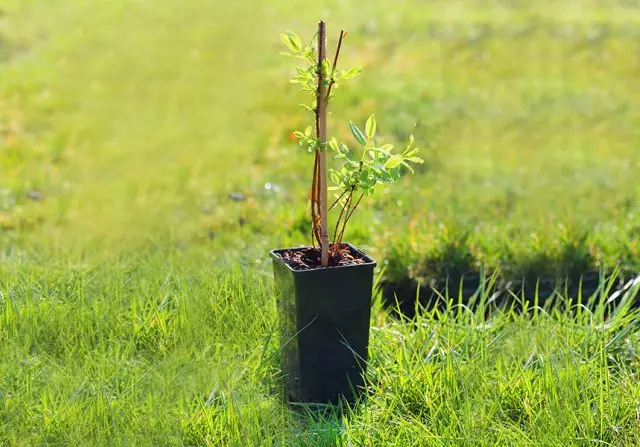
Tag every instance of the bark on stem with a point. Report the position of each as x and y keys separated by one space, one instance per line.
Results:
x=315 y=230
x=321 y=121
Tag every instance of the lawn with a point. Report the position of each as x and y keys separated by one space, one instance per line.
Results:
x=146 y=168
x=167 y=348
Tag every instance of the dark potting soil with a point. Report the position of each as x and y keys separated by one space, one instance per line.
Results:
x=309 y=257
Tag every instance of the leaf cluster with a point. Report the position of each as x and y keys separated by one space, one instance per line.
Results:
x=307 y=74
x=377 y=164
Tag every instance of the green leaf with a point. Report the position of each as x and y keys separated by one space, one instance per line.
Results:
x=386 y=147
x=333 y=144
x=307 y=131
x=410 y=152
x=285 y=40
x=371 y=126
x=393 y=162
x=386 y=177
x=352 y=165
x=292 y=41
x=326 y=69
x=309 y=55
x=415 y=160
x=409 y=167
x=357 y=133
x=307 y=108
x=350 y=73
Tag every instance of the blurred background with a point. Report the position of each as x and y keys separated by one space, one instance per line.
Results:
x=131 y=123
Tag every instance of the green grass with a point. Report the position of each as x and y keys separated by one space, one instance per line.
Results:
x=135 y=303
x=157 y=350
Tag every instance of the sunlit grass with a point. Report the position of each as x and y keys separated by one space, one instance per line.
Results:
x=157 y=350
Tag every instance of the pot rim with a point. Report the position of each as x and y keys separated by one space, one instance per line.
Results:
x=369 y=261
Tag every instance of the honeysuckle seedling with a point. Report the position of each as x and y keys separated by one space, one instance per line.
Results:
x=359 y=172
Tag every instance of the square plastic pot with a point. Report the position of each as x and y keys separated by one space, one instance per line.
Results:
x=324 y=321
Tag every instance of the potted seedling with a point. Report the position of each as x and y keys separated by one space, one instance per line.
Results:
x=324 y=290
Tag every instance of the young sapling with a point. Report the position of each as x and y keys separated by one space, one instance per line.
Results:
x=358 y=173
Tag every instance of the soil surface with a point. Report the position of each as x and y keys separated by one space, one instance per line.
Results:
x=309 y=257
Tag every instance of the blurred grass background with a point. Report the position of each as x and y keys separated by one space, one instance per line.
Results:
x=128 y=122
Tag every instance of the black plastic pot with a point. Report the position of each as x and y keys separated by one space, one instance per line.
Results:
x=324 y=321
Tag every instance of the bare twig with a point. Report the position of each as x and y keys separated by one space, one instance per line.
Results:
x=355 y=207
x=347 y=203
x=348 y=217
x=337 y=200
x=335 y=63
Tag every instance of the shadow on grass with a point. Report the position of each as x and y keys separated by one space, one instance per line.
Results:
x=559 y=277
x=449 y=270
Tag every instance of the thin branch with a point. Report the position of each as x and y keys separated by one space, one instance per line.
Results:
x=353 y=210
x=346 y=220
x=337 y=200
x=335 y=64
x=345 y=207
